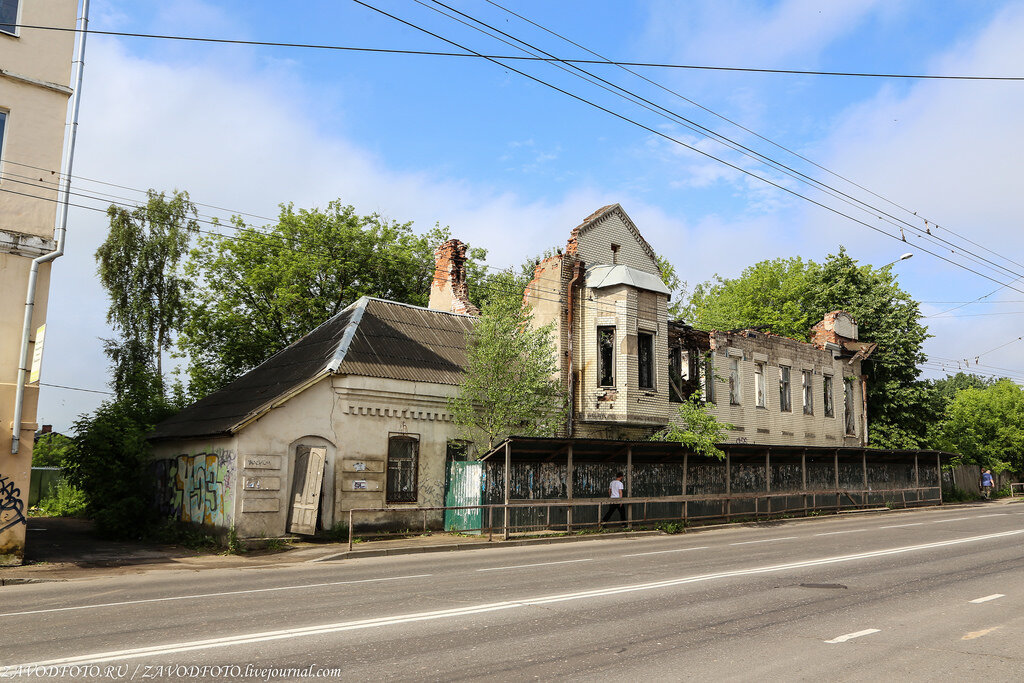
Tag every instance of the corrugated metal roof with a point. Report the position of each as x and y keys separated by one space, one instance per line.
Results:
x=372 y=337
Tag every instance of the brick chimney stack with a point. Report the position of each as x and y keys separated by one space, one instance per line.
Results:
x=838 y=326
x=448 y=291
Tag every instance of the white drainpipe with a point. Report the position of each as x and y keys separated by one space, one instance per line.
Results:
x=62 y=224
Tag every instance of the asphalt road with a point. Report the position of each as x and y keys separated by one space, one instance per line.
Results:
x=919 y=595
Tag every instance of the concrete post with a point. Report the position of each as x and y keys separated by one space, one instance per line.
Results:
x=629 y=485
x=570 y=480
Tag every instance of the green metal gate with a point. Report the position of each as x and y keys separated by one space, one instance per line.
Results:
x=465 y=487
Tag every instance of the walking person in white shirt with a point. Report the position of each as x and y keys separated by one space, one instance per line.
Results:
x=615 y=492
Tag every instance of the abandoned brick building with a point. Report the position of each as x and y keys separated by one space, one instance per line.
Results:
x=355 y=415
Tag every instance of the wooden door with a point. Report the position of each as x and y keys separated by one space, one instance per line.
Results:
x=309 y=476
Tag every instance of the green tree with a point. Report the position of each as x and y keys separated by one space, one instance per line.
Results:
x=260 y=290
x=50 y=449
x=510 y=386
x=986 y=425
x=788 y=296
x=941 y=392
x=676 y=288
x=696 y=428
x=773 y=294
x=139 y=268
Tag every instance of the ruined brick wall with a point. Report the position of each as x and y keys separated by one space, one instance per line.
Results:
x=836 y=327
x=448 y=289
x=770 y=424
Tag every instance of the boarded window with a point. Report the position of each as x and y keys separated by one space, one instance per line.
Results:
x=606 y=356
x=759 y=384
x=785 y=397
x=808 y=387
x=403 y=454
x=734 y=381
x=645 y=359
x=851 y=423
x=830 y=410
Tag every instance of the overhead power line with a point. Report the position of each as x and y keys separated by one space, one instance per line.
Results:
x=677 y=141
x=431 y=53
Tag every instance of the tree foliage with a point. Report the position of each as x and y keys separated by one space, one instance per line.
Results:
x=676 y=288
x=985 y=425
x=50 y=449
x=263 y=289
x=696 y=428
x=788 y=296
x=139 y=268
x=510 y=386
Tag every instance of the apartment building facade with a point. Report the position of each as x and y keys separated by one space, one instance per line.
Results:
x=35 y=70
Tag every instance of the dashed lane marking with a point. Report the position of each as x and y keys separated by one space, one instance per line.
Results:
x=766 y=540
x=851 y=636
x=978 y=634
x=898 y=526
x=539 y=564
x=834 y=533
x=994 y=596
x=659 y=552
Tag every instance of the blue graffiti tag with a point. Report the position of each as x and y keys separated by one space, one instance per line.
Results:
x=10 y=501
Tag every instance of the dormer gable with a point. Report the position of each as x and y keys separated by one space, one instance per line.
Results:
x=609 y=237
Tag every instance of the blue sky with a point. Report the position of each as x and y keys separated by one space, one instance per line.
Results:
x=512 y=165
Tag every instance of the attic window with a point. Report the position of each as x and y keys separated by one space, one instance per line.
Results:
x=615 y=254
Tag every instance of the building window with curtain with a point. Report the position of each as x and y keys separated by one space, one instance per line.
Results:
x=403 y=459
x=759 y=391
x=734 y=381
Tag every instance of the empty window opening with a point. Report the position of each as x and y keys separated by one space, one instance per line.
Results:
x=785 y=399
x=9 y=17
x=759 y=390
x=615 y=253
x=606 y=356
x=808 y=387
x=851 y=423
x=830 y=410
x=645 y=359
x=734 y=381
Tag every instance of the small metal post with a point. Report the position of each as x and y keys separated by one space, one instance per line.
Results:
x=350 y=530
x=599 y=518
x=508 y=484
x=570 y=477
x=629 y=486
x=917 y=475
x=803 y=473
x=839 y=505
x=728 y=483
x=547 y=523
x=490 y=522
x=424 y=520
x=938 y=471
x=864 y=460
x=767 y=479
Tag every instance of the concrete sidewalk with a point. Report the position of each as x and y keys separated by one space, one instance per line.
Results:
x=66 y=549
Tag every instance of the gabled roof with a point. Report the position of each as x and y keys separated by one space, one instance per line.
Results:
x=601 y=214
x=372 y=337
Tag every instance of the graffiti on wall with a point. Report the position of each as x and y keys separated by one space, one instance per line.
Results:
x=12 y=507
x=196 y=488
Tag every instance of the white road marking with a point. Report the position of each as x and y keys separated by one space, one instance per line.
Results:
x=897 y=526
x=851 y=636
x=765 y=540
x=659 y=552
x=258 y=637
x=833 y=533
x=994 y=514
x=210 y=595
x=954 y=519
x=994 y=596
x=539 y=564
